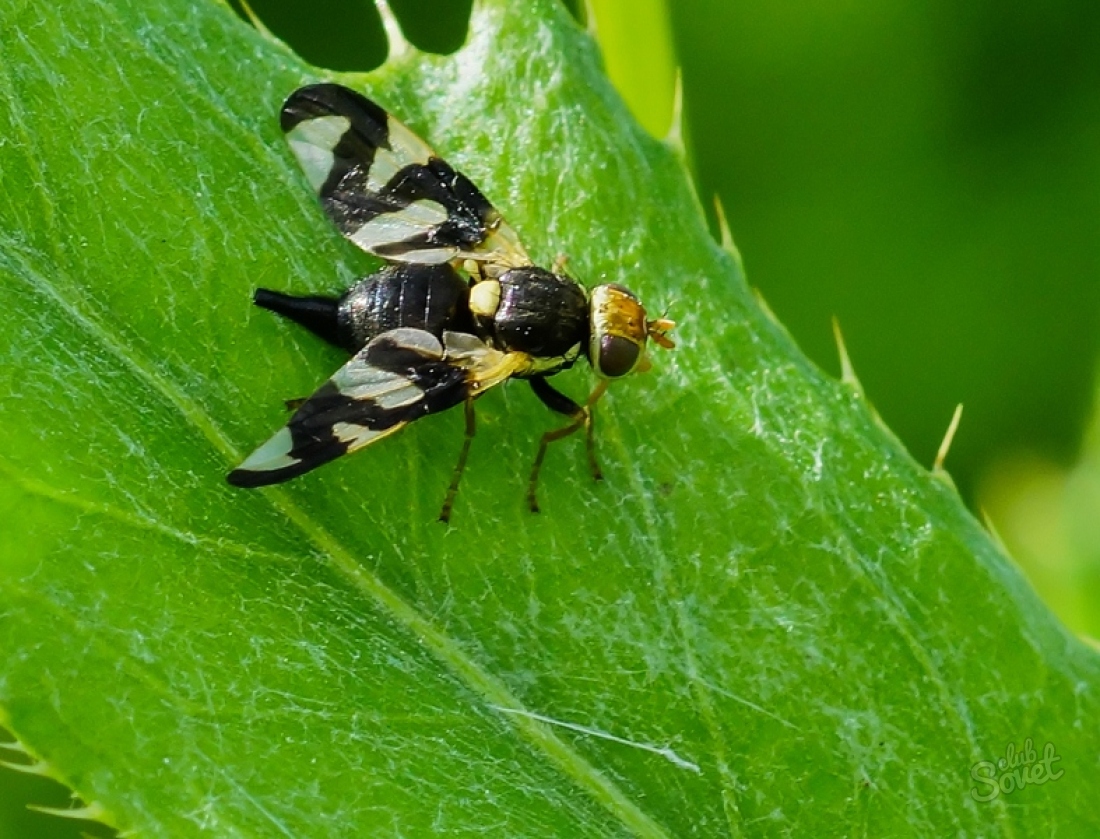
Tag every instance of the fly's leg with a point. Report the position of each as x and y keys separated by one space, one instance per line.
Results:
x=452 y=490
x=581 y=416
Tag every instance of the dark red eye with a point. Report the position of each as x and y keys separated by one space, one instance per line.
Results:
x=617 y=356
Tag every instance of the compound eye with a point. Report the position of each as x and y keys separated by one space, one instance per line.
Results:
x=618 y=356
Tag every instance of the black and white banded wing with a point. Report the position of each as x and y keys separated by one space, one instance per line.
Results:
x=385 y=189
x=400 y=376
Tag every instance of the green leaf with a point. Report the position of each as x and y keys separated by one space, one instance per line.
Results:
x=636 y=43
x=768 y=620
x=1047 y=513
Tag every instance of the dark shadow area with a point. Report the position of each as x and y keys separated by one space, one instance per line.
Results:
x=347 y=35
x=341 y=35
x=437 y=26
x=18 y=789
x=577 y=10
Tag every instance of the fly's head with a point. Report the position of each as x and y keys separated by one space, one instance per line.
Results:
x=619 y=330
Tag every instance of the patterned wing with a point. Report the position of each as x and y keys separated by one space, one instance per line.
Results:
x=385 y=189
x=400 y=376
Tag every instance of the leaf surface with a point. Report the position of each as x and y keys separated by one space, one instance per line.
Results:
x=767 y=620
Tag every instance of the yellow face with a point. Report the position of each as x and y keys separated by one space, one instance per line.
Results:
x=619 y=330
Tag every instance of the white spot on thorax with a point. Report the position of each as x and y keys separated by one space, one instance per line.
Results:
x=485 y=298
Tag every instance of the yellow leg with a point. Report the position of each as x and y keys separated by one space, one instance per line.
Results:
x=584 y=417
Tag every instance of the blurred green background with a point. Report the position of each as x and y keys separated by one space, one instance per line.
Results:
x=925 y=170
x=929 y=172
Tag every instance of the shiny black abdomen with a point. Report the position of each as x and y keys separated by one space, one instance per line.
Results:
x=428 y=297
x=540 y=313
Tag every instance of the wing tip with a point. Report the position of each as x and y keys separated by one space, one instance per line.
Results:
x=248 y=479
x=244 y=477
x=295 y=109
x=322 y=99
x=271 y=463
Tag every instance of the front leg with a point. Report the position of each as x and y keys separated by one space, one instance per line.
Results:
x=557 y=401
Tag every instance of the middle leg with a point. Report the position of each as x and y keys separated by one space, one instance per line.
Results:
x=581 y=415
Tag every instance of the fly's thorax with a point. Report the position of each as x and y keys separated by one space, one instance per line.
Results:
x=533 y=311
x=619 y=331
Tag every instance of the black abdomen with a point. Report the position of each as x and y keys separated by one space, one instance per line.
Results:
x=428 y=297
x=540 y=313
